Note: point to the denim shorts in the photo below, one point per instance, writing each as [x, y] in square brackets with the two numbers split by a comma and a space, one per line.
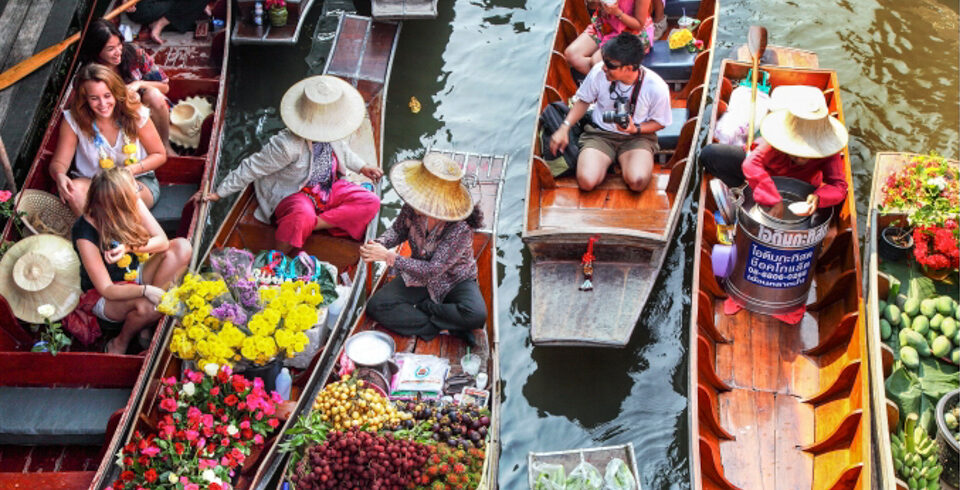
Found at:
[149, 180]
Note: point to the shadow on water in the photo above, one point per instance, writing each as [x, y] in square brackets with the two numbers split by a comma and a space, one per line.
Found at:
[477, 71]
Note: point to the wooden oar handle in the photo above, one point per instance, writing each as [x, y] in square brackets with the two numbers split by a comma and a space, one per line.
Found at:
[753, 103]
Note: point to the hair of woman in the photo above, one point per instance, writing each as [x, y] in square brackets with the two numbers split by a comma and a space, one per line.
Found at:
[125, 111]
[97, 36]
[112, 205]
[475, 220]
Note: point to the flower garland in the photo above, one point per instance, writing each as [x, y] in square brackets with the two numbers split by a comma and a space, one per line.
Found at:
[127, 260]
[129, 149]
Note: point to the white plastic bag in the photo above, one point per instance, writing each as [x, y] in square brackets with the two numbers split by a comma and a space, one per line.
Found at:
[618, 476]
[548, 476]
[584, 477]
[419, 374]
[734, 124]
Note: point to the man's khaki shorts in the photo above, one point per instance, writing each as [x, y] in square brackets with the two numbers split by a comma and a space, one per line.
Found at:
[615, 144]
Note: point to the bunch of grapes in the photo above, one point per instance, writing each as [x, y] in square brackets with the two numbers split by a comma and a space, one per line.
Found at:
[349, 403]
[357, 459]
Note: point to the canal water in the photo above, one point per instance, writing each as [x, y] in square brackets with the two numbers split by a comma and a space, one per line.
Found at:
[477, 71]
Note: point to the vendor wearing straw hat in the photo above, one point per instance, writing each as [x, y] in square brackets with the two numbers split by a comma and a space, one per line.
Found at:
[801, 141]
[436, 287]
[297, 174]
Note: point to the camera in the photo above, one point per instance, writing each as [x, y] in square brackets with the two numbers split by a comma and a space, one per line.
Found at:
[621, 113]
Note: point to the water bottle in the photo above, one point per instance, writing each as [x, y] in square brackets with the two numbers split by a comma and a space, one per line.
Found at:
[258, 13]
[284, 381]
[335, 308]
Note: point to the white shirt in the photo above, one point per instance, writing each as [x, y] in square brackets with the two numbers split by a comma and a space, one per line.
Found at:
[653, 101]
[87, 156]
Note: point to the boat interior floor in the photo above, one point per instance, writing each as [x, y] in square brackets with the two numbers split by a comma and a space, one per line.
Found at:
[610, 205]
[444, 346]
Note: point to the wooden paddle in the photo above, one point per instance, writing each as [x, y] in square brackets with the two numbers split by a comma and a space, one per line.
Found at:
[757, 42]
[29, 65]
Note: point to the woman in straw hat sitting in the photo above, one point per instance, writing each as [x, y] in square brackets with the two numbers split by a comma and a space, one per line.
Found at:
[104, 128]
[297, 174]
[436, 287]
[801, 141]
[113, 238]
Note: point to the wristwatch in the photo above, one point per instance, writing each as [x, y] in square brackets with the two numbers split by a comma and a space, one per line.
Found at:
[565, 123]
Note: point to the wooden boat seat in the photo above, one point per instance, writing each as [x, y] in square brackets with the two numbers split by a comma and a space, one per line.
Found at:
[676, 8]
[671, 65]
[668, 136]
[169, 208]
[37, 416]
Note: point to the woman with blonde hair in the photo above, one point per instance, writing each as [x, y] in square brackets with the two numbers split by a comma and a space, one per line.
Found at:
[125, 255]
[105, 128]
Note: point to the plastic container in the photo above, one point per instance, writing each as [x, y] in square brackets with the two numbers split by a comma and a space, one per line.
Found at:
[949, 448]
[284, 382]
[335, 308]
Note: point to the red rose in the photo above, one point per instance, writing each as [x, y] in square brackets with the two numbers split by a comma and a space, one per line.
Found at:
[231, 400]
[215, 391]
[273, 423]
[150, 475]
[178, 447]
[168, 404]
[214, 486]
[127, 475]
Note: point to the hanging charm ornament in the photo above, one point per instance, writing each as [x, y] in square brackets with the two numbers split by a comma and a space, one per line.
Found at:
[587, 262]
[129, 149]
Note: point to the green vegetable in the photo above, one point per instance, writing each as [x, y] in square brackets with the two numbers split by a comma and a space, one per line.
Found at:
[617, 476]
[918, 342]
[931, 334]
[882, 306]
[905, 321]
[920, 324]
[584, 477]
[909, 356]
[928, 307]
[941, 346]
[549, 476]
[955, 355]
[903, 337]
[911, 307]
[945, 305]
[936, 321]
[892, 314]
[885, 329]
[949, 328]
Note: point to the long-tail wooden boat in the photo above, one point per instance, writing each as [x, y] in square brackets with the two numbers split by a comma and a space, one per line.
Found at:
[635, 229]
[489, 171]
[362, 54]
[45, 451]
[246, 32]
[886, 413]
[774, 405]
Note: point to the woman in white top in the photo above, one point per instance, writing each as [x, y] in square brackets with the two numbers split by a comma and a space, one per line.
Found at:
[105, 128]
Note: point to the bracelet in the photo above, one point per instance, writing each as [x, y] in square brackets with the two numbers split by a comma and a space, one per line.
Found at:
[565, 123]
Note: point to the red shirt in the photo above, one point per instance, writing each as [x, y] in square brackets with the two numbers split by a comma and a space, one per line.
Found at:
[766, 161]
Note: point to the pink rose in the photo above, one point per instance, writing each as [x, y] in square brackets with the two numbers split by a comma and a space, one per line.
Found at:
[151, 451]
[192, 435]
[258, 439]
[5, 196]
[191, 486]
[168, 404]
[195, 376]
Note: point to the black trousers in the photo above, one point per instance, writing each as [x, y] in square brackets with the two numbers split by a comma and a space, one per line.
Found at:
[182, 14]
[410, 311]
[724, 162]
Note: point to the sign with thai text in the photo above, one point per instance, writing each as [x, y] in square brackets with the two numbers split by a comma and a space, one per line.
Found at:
[779, 269]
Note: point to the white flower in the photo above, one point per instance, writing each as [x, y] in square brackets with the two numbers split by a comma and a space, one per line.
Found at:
[231, 429]
[211, 369]
[173, 478]
[209, 475]
[939, 182]
[47, 310]
[189, 389]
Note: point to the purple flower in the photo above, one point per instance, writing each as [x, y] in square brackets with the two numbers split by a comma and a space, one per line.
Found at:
[230, 312]
[246, 292]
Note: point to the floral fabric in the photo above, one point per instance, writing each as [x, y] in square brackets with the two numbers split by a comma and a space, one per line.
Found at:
[146, 69]
[440, 258]
[765, 162]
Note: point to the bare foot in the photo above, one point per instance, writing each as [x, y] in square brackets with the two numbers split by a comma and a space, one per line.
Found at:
[171, 152]
[156, 28]
[112, 348]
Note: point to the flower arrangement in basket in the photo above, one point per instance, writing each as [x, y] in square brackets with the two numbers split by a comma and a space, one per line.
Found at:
[277, 10]
[927, 190]
[228, 318]
[683, 39]
[207, 426]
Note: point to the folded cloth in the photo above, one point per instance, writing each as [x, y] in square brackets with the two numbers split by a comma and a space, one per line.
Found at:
[81, 322]
[793, 317]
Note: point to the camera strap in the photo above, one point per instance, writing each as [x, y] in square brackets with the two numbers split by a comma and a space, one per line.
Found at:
[635, 93]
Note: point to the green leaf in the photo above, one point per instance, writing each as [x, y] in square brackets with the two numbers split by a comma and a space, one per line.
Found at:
[904, 389]
[921, 288]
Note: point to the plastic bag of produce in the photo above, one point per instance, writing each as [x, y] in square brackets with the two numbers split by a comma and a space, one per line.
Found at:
[584, 477]
[618, 476]
[549, 476]
[419, 374]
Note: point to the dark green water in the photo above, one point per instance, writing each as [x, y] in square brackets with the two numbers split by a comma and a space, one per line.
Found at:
[478, 70]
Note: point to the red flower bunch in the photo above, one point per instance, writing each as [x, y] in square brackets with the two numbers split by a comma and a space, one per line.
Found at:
[936, 246]
[275, 4]
[208, 425]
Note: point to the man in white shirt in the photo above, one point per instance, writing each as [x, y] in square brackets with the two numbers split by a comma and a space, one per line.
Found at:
[628, 137]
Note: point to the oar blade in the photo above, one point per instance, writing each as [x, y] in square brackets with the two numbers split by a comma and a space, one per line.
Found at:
[757, 41]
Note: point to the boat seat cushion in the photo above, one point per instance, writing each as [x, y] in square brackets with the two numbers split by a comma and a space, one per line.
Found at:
[169, 208]
[676, 8]
[57, 416]
[673, 65]
[668, 136]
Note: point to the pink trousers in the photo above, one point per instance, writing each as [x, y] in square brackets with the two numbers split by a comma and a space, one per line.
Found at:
[349, 210]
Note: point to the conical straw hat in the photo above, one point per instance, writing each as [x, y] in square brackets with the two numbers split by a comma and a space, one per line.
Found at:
[40, 270]
[433, 187]
[322, 108]
[805, 127]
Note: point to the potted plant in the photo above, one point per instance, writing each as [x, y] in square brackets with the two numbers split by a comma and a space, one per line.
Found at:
[277, 9]
[927, 191]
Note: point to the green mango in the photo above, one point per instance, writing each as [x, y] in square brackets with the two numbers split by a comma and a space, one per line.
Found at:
[912, 307]
[882, 305]
[936, 322]
[902, 335]
[892, 314]
[918, 342]
[920, 324]
[940, 346]
[885, 329]
[955, 355]
[931, 334]
[928, 307]
[945, 305]
[909, 356]
[905, 321]
[948, 326]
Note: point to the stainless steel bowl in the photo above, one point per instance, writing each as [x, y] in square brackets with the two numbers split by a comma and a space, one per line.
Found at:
[378, 336]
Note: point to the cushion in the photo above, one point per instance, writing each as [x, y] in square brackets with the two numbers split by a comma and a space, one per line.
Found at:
[168, 209]
[57, 416]
[668, 136]
[676, 8]
[670, 64]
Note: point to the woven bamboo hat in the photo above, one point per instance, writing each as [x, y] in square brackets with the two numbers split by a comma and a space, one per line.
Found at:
[804, 128]
[40, 270]
[322, 108]
[433, 187]
[45, 213]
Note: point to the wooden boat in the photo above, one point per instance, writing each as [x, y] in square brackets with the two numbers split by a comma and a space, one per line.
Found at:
[488, 171]
[635, 229]
[599, 457]
[362, 54]
[886, 413]
[246, 32]
[774, 405]
[404, 9]
[93, 382]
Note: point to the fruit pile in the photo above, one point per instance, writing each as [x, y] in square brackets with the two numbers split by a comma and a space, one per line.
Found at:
[461, 427]
[359, 459]
[915, 456]
[952, 419]
[930, 327]
[349, 403]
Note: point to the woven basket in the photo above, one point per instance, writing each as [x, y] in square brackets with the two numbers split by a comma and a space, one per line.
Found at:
[45, 214]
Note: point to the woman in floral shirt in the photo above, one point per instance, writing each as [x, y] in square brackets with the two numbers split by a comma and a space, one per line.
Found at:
[104, 44]
[436, 287]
